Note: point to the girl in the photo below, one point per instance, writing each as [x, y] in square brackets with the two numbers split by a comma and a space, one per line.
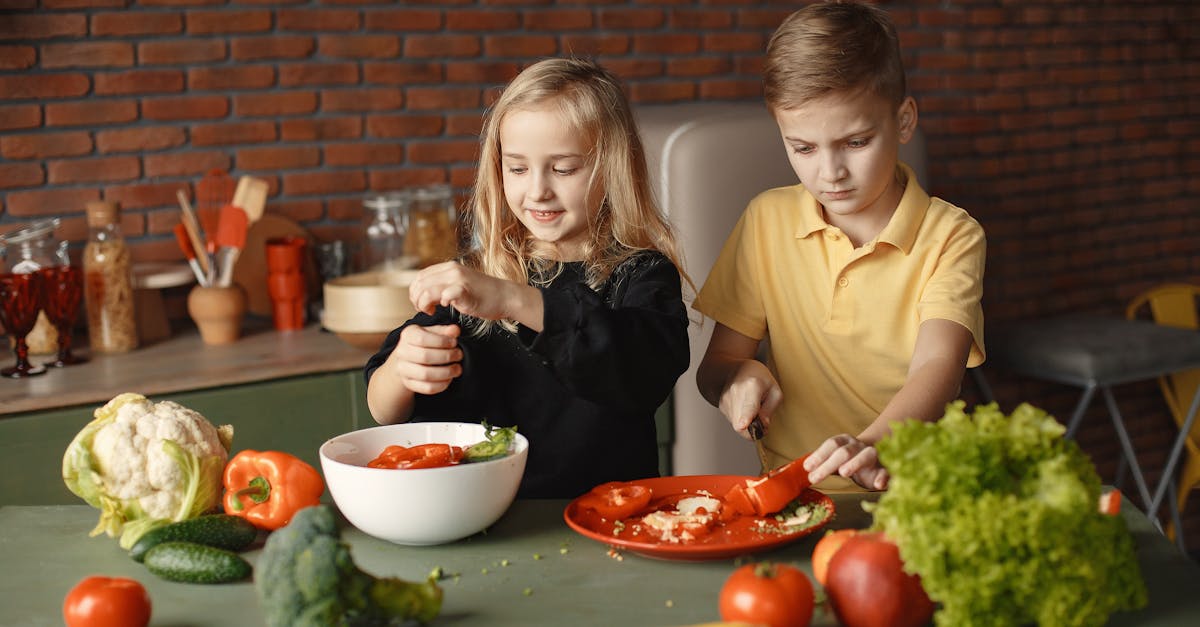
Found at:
[566, 315]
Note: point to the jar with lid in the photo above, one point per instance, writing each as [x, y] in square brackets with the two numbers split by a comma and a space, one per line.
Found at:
[432, 237]
[108, 281]
[34, 249]
[384, 226]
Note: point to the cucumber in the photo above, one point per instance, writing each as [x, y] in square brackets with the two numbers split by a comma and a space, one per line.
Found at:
[189, 562]
[223, 531]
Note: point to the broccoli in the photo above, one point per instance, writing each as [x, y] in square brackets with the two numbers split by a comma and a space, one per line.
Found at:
[306, 577]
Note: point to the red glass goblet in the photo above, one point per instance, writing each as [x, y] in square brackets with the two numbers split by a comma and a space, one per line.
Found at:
[63, 289]
[20, 301]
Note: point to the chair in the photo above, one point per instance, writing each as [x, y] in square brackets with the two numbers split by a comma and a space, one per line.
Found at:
[1175, 305]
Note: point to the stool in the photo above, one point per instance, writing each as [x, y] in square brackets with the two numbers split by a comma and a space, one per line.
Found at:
[1095, 353]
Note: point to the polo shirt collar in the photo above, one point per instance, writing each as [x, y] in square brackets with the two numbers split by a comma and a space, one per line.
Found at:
[901, 230]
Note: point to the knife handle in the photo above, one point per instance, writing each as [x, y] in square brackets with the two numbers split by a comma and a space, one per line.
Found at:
[755, 429]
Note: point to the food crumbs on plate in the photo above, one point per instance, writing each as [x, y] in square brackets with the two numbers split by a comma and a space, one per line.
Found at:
[527, 592]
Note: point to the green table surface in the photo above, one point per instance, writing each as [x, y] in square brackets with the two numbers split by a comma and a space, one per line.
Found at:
[529, 569]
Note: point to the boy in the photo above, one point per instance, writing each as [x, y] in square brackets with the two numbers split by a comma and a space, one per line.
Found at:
[868, 288]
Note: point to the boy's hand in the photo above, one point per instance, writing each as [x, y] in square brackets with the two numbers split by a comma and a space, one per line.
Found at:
[847, 456]
[452, 284]
[426, 359]
[752, 392]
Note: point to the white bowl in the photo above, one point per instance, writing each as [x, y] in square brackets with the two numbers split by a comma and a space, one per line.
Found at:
[427, 505]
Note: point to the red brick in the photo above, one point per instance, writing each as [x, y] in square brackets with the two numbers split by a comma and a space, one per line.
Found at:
[521, 46]
[191, 163]
[698, 66]
[405, 125]
[91, 112]
[407, 20]
[358, 46]
[20, 174]
[226, 78]
[492, 72]
[42, 86]
[441, 46]
[128, 23]
[345, 209]
[403, 73]
[181, 51]
[276, 103]
[316, 74]
[48, 201]
[631, 19]
[730, 89]
[590, 44]
[26, 26]
[139, 139]
[462, 125]
[233, 133]
[13, 117]
[482, 20]
[80, 4]
[87, 54]
[278, 158]
[362, 99]
[463, 177]
[632, 68]
[382, 178]
[661, 92]
[364, 154]
[93, 170]
[138, 82]
[206, 22]
[445, 151]
[734, 42]
[185, 108]
[272, 47]
[700, 19]
[303, 210]
[762, 18]
[558, 20]
[441, 98]
[43, 145]
[17, 57]
[317, 19]
[145, 196]
[320, 129]
[323, 182]
[676, 43]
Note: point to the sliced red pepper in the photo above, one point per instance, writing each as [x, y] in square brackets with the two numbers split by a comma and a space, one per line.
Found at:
[433, 455]
[1110, 502]
[617, 500]
[771, 492]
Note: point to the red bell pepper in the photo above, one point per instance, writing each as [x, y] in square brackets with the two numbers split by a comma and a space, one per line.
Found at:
[268, 488]
[617, 500]
[771, 492]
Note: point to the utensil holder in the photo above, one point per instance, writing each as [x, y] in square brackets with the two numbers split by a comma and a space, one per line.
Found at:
[218, 312]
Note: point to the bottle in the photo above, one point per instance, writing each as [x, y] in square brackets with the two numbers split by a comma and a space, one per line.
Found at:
[431, 218]
[384, 226]
[108, 282]
[34, 249]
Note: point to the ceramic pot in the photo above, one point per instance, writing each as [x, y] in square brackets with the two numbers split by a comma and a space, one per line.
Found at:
[218, 312]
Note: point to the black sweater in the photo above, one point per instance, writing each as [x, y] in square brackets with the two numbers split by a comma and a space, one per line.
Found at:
[585, 389]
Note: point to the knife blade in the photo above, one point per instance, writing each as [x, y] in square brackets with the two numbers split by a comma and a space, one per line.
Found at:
[756, 433]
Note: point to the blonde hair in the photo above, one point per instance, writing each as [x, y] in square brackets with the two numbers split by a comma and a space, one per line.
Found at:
[833, 47]
[629, 220]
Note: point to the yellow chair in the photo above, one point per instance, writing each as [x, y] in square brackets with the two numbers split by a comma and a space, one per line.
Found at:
[1175, 305]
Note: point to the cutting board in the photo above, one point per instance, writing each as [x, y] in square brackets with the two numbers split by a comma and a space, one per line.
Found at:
[250, 271]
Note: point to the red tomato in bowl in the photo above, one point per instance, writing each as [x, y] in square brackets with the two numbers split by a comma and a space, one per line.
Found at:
[107, 602]
[775, 595]
[867, 586]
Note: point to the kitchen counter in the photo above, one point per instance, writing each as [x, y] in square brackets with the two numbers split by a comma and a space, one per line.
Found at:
[575, 581]
[181, 363]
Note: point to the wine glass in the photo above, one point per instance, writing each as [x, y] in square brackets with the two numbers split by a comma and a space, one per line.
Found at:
[63, 289]
[20, 301]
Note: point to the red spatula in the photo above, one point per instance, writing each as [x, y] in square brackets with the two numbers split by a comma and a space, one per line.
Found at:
[230, 239]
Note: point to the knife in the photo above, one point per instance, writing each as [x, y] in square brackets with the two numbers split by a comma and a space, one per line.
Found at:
[756, 433]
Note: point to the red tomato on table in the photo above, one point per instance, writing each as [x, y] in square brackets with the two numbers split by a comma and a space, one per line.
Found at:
[776, 595]
[107, 602]
[616, 500]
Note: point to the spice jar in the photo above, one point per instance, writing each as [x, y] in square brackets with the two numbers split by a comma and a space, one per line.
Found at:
[431, 234]
[108, 281]
[384, 226]
[33, 249]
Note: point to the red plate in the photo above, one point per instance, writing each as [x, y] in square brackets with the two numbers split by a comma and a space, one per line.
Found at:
[738, 537]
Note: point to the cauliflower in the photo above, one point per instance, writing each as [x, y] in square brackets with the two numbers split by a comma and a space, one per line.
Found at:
[143, 464]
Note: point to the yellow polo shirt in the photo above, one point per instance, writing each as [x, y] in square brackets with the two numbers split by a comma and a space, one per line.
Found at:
[843, 321]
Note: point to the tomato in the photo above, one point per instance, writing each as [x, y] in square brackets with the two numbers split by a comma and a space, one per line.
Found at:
[825, 549]
[616, 500]
[432, 455]
[107, 602]
[867, 586]
[775, 595]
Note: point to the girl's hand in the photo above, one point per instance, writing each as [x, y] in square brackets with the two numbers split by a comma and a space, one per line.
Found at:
[426, 359]
[471, 292]
[849, 457]
[752, 392]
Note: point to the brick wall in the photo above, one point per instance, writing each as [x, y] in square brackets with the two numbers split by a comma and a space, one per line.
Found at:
[1071, 130]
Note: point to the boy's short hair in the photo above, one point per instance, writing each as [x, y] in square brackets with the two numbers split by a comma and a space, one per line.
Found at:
[833, 47]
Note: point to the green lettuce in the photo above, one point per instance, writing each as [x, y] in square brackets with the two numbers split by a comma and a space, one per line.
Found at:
[999, 516]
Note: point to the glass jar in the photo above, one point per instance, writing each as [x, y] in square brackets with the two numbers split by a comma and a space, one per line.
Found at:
[384, 226]
[108, 281]
[432, 237]
[31, 249]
